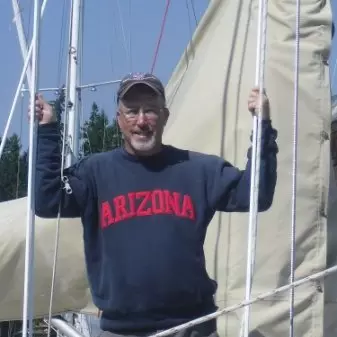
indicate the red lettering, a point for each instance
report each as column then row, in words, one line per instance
column 172, row 203
column 106, row 215
column 144, row 197
column 132, row 204
column 188, row 209
column 120, row 209
column 157, row 202
column 148, row 203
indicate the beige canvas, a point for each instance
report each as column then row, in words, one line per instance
column 208, row 100
column 209, row 114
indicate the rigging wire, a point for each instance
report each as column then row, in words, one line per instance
column 64, row 141
column 127, row 52
column 194, row 13
column 61, row 45
column 294, row 168
column 130, row 35
column 80, row 71
column 168, row 2
column 189, row 19
column 255, row 170
column 18, row 170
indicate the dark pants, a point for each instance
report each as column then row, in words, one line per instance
column 207, row 329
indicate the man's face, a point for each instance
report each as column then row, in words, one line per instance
column 141, row 117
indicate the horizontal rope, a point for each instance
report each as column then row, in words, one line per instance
column 260, row 297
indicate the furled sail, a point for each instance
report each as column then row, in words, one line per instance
column 208, row 101
column 209, row 114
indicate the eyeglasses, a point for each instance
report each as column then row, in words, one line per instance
column 149, row 113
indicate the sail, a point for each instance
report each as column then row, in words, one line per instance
column 208, row 102
column 71, row 286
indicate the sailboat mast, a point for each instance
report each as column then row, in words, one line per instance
column 72, row 103
column 28, row 296
column 73, row 122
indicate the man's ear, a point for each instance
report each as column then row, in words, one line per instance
column 118, row 115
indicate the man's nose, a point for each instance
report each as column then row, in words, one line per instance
column 141, row 120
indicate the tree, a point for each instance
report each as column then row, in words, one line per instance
column 59, row 105
column 14, row 169
column 98, row 134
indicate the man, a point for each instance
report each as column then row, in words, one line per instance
column 145, row 209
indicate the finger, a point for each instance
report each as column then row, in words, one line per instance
column 256, row 90
column 39, row 96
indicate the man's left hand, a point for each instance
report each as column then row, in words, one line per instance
column 253, row 103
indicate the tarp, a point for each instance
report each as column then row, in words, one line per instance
column 209, row 114
column 208, row 94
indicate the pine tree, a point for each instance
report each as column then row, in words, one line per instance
column 14, row 169
column 98, row 134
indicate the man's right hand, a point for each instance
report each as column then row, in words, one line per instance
column 44, row 112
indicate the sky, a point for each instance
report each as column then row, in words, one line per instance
column 110, row 28
column 107, row 23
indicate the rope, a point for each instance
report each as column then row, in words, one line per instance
column 127, row 52
column 255, row 173
column 57, row 231
column 294, row 172
column 260, row 297
column 168, row 2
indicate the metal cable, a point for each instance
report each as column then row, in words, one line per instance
column 255, row 169
column 57, row 231
column 294, row 171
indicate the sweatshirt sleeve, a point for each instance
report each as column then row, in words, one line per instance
column 49, row 189
column 229, row 187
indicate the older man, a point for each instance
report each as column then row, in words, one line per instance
column 145, row 209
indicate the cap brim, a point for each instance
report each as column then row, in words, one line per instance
column 131, row 85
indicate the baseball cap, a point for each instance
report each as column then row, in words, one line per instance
column 140, row 78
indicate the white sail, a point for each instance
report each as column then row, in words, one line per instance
column 209, row 114
column 208, row 102
column 71, row 290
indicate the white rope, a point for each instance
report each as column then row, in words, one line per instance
column 260, row 297
column 255, row 169
column 28, row 297
column 294, row 172
column 64, row 180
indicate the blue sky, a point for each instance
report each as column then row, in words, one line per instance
column 105, row 57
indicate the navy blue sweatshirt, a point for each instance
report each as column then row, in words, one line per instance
column 145, row 222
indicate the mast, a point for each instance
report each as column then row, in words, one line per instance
column 73, row 92
column 72, row 115
column 28, row 297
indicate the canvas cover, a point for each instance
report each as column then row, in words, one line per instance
column 209, row 114
column 208, row 94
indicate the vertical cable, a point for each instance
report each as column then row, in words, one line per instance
column 294, row 169
column 255, row 169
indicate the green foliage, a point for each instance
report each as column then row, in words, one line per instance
column 14, row 169
column 59, row 105
column 98, row 134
